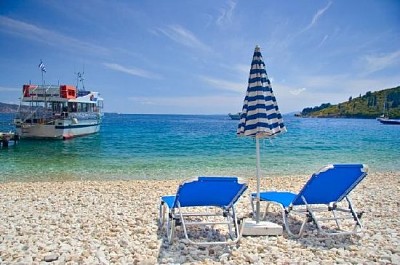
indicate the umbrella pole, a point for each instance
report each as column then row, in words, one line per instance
column 258, row 180
column 257, row 227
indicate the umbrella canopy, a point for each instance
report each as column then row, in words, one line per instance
column 260, row 116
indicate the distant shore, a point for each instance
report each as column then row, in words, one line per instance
column 114, row 222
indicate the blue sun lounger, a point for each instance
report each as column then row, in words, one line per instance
column 203, row 202
column 320, row 196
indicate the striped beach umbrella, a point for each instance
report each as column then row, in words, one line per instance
column 260, row 117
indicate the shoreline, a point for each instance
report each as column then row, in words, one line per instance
column 115, row 222
column 247, row 174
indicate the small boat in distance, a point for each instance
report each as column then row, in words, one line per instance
column 234, row 116
column 58, row 112
column 385, row 120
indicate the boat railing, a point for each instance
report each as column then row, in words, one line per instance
column 34, row 114
column 26, row 115
column 42, row 92
column 43, row 116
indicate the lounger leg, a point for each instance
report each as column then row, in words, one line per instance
column 161, row 214
column 266, row 211
column 229, row 219
column 235, row 230
column 355, row 216
column 233, row 219
column 285, row 215
column 170, row 224
column 253, row 210
column 336, row 219
column 170, row 228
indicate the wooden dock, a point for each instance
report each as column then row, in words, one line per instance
column 7, row 137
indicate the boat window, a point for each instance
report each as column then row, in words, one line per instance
column 57, row 107
column 72, row 106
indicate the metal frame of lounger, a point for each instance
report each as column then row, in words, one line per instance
column 180, row 214
column 310, row 211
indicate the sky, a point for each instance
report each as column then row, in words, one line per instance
column 194, row 57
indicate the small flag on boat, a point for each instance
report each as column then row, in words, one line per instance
column 41, row 66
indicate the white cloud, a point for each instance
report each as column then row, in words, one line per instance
column 317, row 16
column 186, row 105
column 345, row 84
column 298, row 91
column 374, row 63
column 322, row 41
column 35, row 33
column 132, row 71
column 183, row 36
column 223, row 84
column 242, row 68
column 324, row 88
column 226, row 14
column 9, row 89
column 317, row 82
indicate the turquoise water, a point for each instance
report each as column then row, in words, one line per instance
column 182, row 146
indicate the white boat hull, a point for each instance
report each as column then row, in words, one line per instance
column 389, row 121
column 59, row 130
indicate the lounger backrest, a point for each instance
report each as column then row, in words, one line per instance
column 210, row 191
column 331, row 184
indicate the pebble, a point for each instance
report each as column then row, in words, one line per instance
column 51, row 257
column 115, row 222
column 395, row 259
column 251, row 258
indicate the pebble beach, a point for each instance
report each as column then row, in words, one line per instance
column 115, row 222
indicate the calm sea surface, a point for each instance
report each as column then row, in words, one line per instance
column 182, row 146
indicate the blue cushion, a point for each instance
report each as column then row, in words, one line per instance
column 169, row 200
column 284, row 198
column 207, row 191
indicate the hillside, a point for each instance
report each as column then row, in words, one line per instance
column 8, row 108
column 370, row 105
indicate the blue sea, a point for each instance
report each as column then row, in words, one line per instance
column 182, row 146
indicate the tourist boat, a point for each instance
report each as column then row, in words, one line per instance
column 234, row 116
column 58, row 112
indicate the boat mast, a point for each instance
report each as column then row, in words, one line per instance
column 385, row 111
